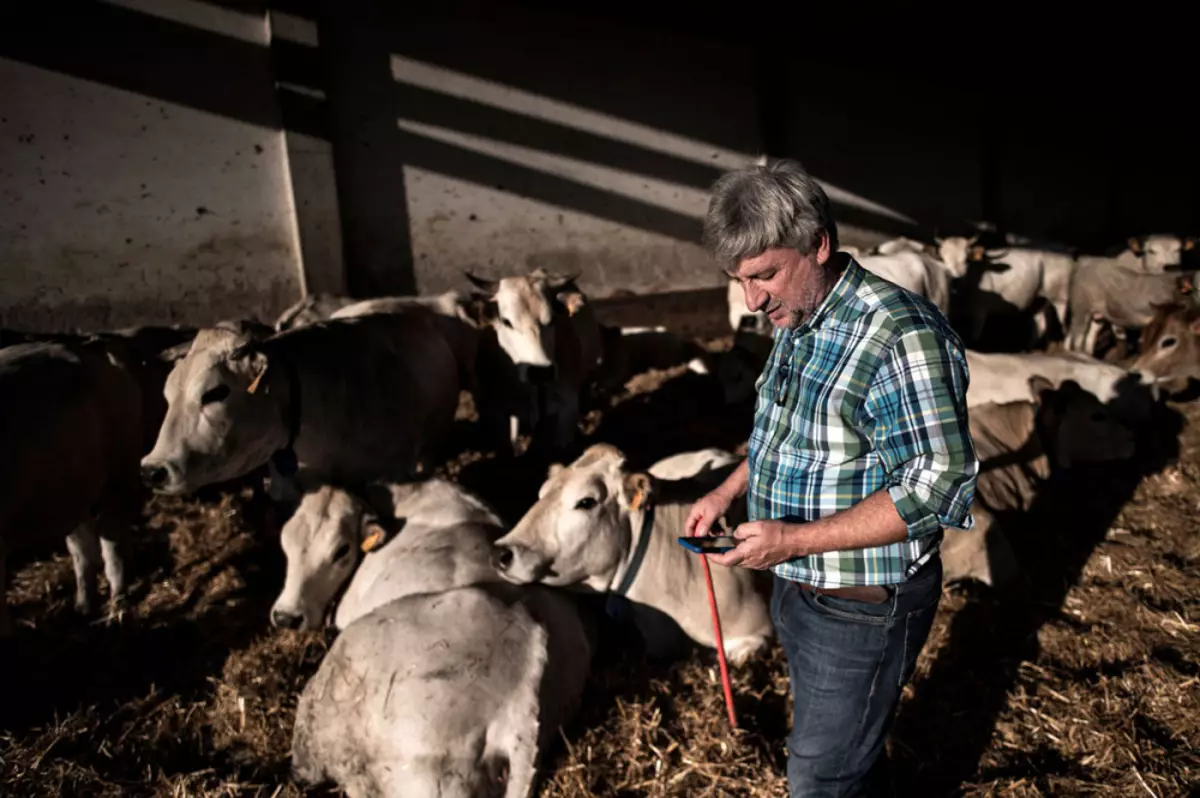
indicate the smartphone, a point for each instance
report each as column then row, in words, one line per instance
column 709, row 544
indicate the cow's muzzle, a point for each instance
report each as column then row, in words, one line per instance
column 282, row 619
column 160, row 476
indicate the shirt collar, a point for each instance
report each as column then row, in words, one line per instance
column 846, row 286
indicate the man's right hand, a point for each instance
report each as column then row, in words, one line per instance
column 706, row 511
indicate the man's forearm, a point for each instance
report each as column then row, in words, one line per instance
column 872, row 522
column 738, row 481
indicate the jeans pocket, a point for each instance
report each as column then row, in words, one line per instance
column 851, row 610
column 916, row 632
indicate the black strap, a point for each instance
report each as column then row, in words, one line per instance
column 639, row 553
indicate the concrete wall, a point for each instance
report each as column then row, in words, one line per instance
column 118, row 206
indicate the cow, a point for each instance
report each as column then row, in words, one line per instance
column 914, row 271
column 1018, row 444
column 310, row 309
column 344, row 401
column 737, row 369
column 1010, row 279
column 1109, row 290
column 392, row 540
column 1157, row 253
column 602, row 527
column 548, row 329
column 1170, row 345
column 1000, row 377
column 71, row 423
column 454, row 693
column 899, row 244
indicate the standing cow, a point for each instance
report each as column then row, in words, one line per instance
column 350, row 400
column 71, row 426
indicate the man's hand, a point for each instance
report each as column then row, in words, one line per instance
column 705, row 512
column 762, row 544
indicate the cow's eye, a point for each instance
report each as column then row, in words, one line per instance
column 586, row 503
column 217, row 394
column 341, row 552
column 506, row 322
column 1167, row 342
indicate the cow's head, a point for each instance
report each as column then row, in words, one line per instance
column 324, row 541
column 522, row 312
column 1076, row 427
column 1160, row 253
column 1170, row 344
column 578, row 531
column 955, row 251
column 222, row 420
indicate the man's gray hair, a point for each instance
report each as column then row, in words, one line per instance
column 766, row 205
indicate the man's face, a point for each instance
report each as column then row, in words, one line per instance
column 784, row 284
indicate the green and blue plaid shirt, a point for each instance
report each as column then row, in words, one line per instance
column 868, row 393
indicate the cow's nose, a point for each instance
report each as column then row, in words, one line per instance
column 154, row 476
column 502, row 558
column 281, row 619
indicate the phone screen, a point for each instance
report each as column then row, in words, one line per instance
column 706, row 544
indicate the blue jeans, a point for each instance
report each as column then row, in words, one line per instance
column 848, row 662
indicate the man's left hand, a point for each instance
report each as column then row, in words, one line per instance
column 761, row 544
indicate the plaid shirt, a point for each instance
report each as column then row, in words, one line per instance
column 868, row 393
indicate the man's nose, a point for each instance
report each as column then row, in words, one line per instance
column 756, row 300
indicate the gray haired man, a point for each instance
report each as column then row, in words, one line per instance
column 860, row 456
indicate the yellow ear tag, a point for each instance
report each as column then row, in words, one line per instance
column 574, row 303
column 372, row 541
column 254, row 385
column 1189, row 243
column 638, row 499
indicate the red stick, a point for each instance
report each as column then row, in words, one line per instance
column 716, row 619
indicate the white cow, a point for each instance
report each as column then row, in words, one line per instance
column 349, row 401
column 452, row 693
column 599, row 526
column 914, row 271
column 548, row 329
column 1157, row 253
column 1000, row 377
column 1118, row 291
column 1016, row 276
column 396, row 540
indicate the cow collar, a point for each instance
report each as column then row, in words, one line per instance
column 285, row 459
column 640, row 545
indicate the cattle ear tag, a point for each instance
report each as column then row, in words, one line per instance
column 639, row 498
column 573, row 302
column 1189, row 243
column 257, row 381
column 374, row 539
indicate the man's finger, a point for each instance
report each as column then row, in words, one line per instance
column 746, row 530
column 728, row 559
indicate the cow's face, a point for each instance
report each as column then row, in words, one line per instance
column 955, row 251
column 221, row 422
column 1170, row 345
column 323, row 542
column 1081, row 428
column 578, row 531
column 1160, row 253
column 522, row 312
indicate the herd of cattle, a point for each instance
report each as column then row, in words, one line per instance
column 459, row 654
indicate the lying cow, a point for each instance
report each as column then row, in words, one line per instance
column 1009, row 279
column 70, row 420
column 1109, row 290
column 406, row 538
column 549, row 330
column 1000, row 377
column 1170, row 345
column 1018, row 444
column 348, row 401
column 453, row 693
column 599, row 526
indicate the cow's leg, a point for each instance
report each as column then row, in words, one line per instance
column 1079, row 328
column 114, row 571
column 84, row 547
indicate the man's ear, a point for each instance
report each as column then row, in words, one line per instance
column 638, row 490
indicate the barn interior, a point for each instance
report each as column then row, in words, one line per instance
column 183, row 162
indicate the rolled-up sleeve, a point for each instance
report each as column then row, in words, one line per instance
column 922, row 435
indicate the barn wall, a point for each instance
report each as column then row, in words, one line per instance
column 142, row 188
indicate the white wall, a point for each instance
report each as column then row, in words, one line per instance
column 116, row 208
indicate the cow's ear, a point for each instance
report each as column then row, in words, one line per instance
column 554, row 470
column 252, row 362
column 976, row 252
column 1135, row 244
column 1195, row 326
column 1189, row 243
column 573, row 301
column 1041, row 389
column 374, row 535
column 638, row 490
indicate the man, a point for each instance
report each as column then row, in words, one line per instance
column 860, row 455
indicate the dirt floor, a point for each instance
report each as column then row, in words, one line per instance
column 1084, row 680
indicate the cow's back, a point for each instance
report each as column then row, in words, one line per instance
column 70, row 422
